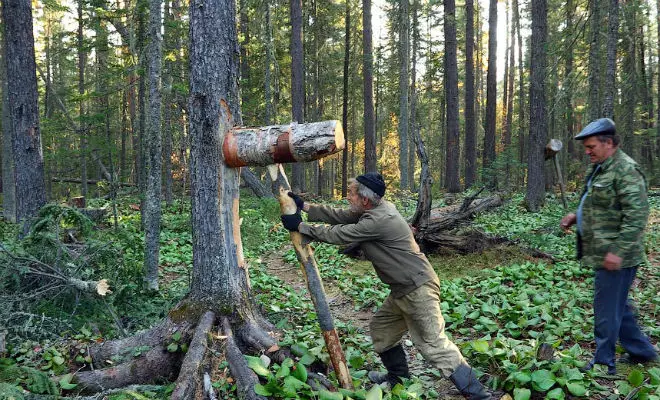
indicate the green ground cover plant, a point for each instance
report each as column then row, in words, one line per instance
column 525, row 323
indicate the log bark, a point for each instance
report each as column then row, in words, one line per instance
column 274, row 144
column 245, row 378
column 314, row 284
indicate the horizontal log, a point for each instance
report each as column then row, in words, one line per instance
column 275, row 144
column 553, row 147
column 89, row 181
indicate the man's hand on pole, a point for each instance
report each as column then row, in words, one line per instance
column 291, row 221
column 300, row 203
column 568, row 221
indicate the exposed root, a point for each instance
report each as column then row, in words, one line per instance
column 157, row 364
column 122, row 348
column 319, row 382
column 245, row 378
column 254, row 337
column 189, row 380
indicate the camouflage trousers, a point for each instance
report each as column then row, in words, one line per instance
column 418, row 313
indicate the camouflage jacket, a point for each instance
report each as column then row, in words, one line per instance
column 614, row 213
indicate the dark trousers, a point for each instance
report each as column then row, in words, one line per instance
column 614, row 318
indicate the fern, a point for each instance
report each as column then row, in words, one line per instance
column 39, row 382
column 34, row 380
column 10, row 392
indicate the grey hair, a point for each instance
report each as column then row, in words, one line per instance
column 365, row 192
column 604, row 138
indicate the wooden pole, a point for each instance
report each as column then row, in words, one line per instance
column 551, row 149
column 306, row 258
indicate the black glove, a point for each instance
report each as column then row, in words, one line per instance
column 300, row 203
column 291, row 221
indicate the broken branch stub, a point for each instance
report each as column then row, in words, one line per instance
column 266, row 145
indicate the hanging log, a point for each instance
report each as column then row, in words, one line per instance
column 553, row 147
column 305, row 256
column 274, row 144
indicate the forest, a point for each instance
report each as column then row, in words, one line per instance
column 148, row 147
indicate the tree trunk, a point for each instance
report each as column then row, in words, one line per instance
column 594, row 61
column 168, row 106
column 370, row 164
column 344, row 109
column 470, row 122
column 270, row 61
column 297, row 84
column 509, row 104
column 403, row 94
column 657, row 120
column 152, row 212
column 568, row 92
column 245, row 66
column 538, row 123
column 81, row 105
column 413, row 124
column 8, row 186
column 491, row 98
column 452, row 181
column 521, row 91
column 610, row 69
column 631, row 87
column 26, row 174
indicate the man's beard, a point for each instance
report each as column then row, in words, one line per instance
column 357, row 208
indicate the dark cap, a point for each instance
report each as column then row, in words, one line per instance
column 374, row 181
column 601, row 126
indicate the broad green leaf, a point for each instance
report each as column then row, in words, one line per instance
column 655, row 376
column 58, row 360
column 521, row 377
column 136, row 395
column 573, row 374
column 635, row 377
column 177, row 336
column 376, row 393
column 480, row 345
column 576, row 389
column 292, row 385
column 556, row 393
column 300, row 372
column 172, row 347
column 327, row 395
column 261, row 390
column 522, row 394
column 307, row 359
column 257, row 365
column 542, row 380
column 283, row 371
column 65, row 382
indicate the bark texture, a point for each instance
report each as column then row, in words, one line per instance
column 297, row 83
column 452, row 182
column 470, row 125
column 403, row 93
column 368, row 90
column 26, row 173
column 538, row 122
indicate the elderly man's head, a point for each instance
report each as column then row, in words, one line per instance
column 366, row 191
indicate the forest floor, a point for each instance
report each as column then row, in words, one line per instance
column 501, row 306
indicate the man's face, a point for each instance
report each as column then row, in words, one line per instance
column 354, row 199
column 597, row 150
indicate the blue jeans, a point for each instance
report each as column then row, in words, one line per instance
column 614, row 318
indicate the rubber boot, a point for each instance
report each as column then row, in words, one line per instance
column 396, row 364
column 467, row 383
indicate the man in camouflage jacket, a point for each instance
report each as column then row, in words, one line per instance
column 610, row 220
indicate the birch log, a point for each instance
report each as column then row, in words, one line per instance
column 314, row 284
column 275, row 144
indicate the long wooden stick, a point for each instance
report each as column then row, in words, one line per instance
column 314, row 284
